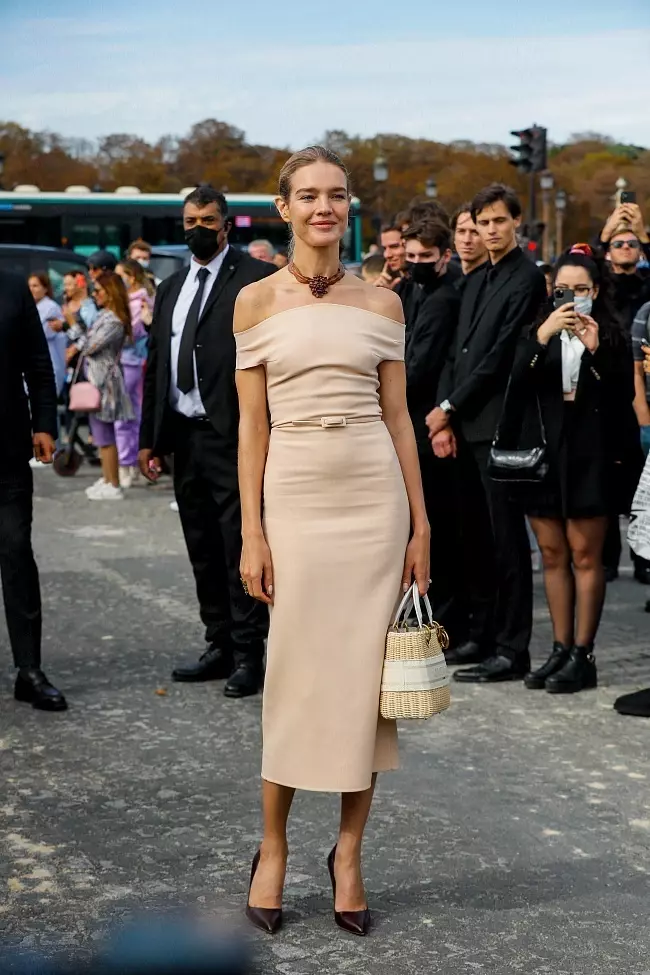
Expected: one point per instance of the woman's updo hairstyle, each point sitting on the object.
(305, 157)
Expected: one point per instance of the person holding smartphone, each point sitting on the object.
(579, 365)
(626, 240)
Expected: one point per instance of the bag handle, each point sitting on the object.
(412, 599)
(77, 368)
(504, 412)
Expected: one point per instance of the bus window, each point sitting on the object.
(86, 236)
(162, 231)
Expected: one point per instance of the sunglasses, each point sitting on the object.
(617, 244)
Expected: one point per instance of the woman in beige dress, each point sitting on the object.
(334, 525)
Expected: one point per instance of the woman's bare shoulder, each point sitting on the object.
(382, 301)
(253, 303)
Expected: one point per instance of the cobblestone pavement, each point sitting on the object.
(514, 839)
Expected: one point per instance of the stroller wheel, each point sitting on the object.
(67, 462)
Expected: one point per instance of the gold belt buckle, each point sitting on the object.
(332, 421)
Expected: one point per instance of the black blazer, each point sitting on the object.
(498, 305)
(427, 347)
(603, 411)
(214, 350)
(23, 356)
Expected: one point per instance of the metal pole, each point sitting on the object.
(546, 216)
(531, 205)
(559, 227)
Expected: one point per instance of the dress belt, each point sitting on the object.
(327, 422)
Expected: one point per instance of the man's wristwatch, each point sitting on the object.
(446, 406)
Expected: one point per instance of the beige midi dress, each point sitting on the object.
(336, 518)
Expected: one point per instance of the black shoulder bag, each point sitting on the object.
(517, 466)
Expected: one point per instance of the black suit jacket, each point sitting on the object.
(602, 410)
(426, 352)
(24, 361)
(499, 304)
(214, 349)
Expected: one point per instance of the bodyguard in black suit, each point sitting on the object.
(500, 301)
(190, 410)
(29, 428)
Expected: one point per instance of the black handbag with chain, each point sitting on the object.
(527, 465)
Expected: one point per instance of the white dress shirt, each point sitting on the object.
(190, 404)
(572, 351)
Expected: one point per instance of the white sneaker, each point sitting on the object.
(94, 488)
(35, 464)
(173, 505)
(128, 476)
(107, 492)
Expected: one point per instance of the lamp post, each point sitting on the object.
(2, 168)
(560, 208)
(621, 184)
(380, 173)
(431, 188)
(547, 183)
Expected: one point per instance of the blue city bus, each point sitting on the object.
(84, 221)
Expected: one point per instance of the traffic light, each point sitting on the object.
(524, 149)
(539, 149)
(531, 149)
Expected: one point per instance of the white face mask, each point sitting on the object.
(583, 305)
(143, 261)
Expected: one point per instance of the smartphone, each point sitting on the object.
(628, 196)
(562, 296)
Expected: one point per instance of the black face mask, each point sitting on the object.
(203, 242)
(423, 272)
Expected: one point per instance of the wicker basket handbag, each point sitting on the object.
(415, 680)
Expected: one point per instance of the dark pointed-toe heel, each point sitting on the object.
(355, 922)
(267, 919)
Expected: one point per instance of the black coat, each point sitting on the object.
(604, 438)
(426, 351)
(499, 304)
(214, 350)
(24, 361)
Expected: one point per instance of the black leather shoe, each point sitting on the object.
(33, 687)
(636, 704)
(214, 664)
(355, 922)
(267, 919)
(469, 652)
(244, 681)
(578, 674)
(611, 573)
(494, 669)
(536, 679)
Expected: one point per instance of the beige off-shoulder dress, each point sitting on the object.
(336, 519)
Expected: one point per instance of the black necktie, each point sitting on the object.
(185, 381)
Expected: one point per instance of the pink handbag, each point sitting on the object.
(84, 398)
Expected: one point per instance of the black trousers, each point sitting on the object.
(205, 482)
(437, 485)
(20, 583)
(501, 553)
(460, 599)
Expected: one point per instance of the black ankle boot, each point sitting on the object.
(536, 679)
(578, 674)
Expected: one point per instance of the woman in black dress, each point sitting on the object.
(580, 367)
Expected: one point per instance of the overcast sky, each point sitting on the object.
(286, 71)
